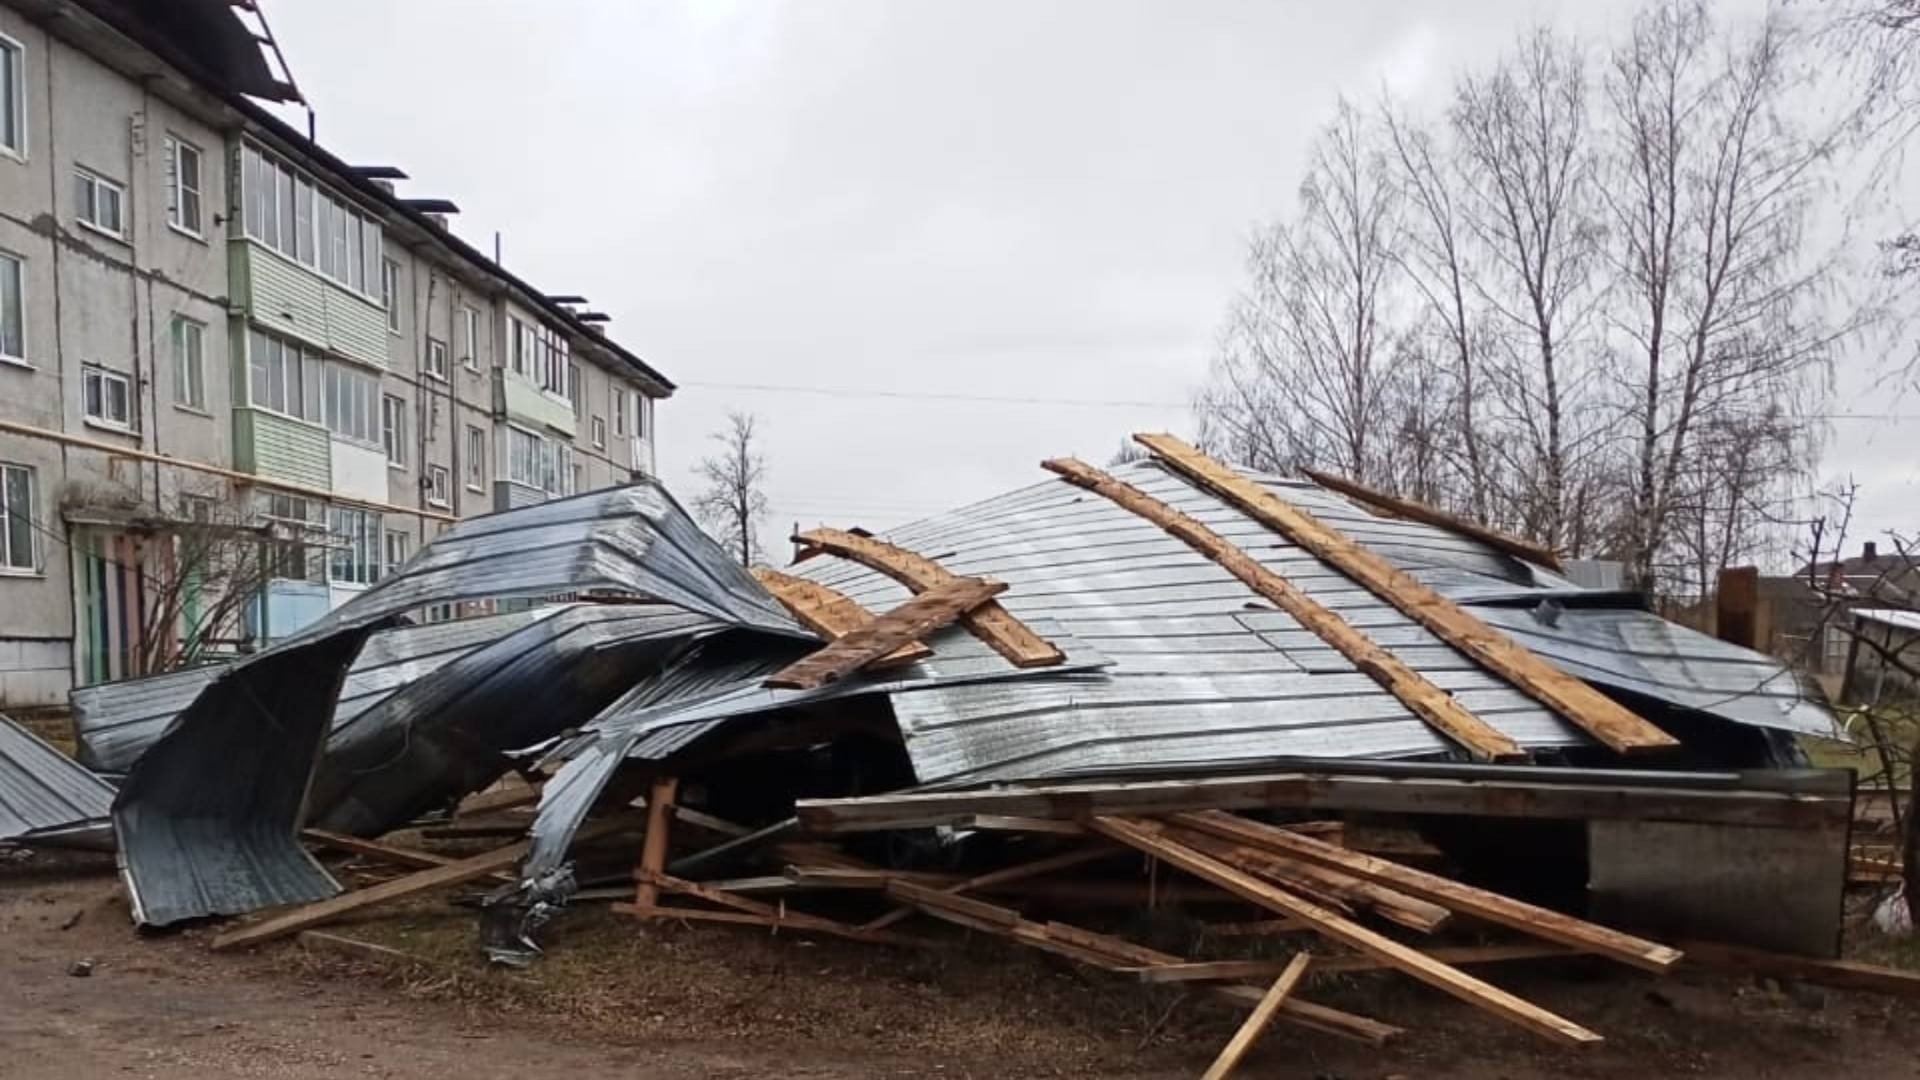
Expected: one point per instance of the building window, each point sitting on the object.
(476, 458)
(285, 210)
(351, 404)
(573, 388)
(13, 97)
(188, 341)
(397, 550)
(355, 558)
(470, 338)
(390, 292)
(98, 203)
(537, 462)
(183, 184)
(619, 411)
(519, 356)
(642, 416)
(19, 550)
(599, 434)
(439, 483)
(13, 308)
(298, 538)
(578, 479)
(393, 429)
(282, 378)
(106, 396)
(1839, 643)
(437, 358)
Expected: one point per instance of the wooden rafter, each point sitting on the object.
(939, 606)
(990, 622)
(1590, 710)
(828, 613)
(1427, 701)
(1429, 515)
(1257, 1021)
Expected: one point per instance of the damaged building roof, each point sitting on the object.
(44, 795)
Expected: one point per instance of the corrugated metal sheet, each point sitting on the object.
(115, 722)
(207, 818)
(1205, 672)
(44, 794)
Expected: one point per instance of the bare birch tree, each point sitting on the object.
(734, 499)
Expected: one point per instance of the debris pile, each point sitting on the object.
(1291, 710)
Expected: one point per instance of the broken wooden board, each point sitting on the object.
(926, 612)
(1429, 515)
(1257, 1021)
(1528, 918)
(353, 949)
(991, 623)
(1230, 970)
(1316, 880)
(411, 858)
(777, 922)
(1839, 974)
(1439, 709)
(1006, 876)
(1593, 712)
(827, 612)
(1149, 837)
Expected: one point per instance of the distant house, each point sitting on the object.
(1806, 616)
(1886, 658)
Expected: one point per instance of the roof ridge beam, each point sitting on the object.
(989, 622)
(1593, 712)
(1430, 703)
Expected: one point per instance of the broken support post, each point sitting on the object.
(653, 849)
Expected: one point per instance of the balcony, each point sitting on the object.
(291, 299)
(282, 448)
(517, 398)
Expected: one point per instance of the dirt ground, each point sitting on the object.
(654, 1002)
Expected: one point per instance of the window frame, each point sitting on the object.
(15, 100)
(599, 429)
(470, 323)
(361, 532)
(476, 461)
(87, 215)
(8, 566)
(430, 367)
(388, 549)
(357, 387)
(390, 293)
(345, 240)
(20, 310)
(177, 188)
(439, 486)
(305, 364)
(189, 379)
(393, 430)
(92, 373)
(620, 412)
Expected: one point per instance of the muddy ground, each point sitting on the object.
(653, 1002)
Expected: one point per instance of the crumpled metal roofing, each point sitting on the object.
(1205, 673)
(115, 722)
(45, 796)
(206, 820)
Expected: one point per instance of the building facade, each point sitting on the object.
(223, 347)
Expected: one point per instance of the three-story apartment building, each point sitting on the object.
(210, 325)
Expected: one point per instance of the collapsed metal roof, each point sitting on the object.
(44, 795)
(207, 818)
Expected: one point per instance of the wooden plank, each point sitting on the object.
(653, 847)
(991, 623)
(1439, 709)
(1255, 928)
(1590, 710)
(1581, 797)
(321, 941)
(1228, 970)
(453, 873)
(924, 898)
(1257, 1021)
(782, 921)
(1006, 876)
(1431, 515)
(1149, 837)
(926, 612)
(411, 858)
(1315, 879)
(1528, 918)
(829, 613)
(503, 798)
(1008, 823)
(1840, 974)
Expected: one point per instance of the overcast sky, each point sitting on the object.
(884, 202)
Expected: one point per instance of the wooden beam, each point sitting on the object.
(1257, 1021)
(829, 613)
(1314, 879)
(653, 847)
(1590, 710)
(1840, 974)
(1529, 919)
(1255, 928)
(1430, 515)
(1438, 708)
(991, 623)
(1582, 796)
(783, 921)
(411, 858)
(1006, 823)
(506, 798)
(453, 873)
(1006, 876)
(926, 612)
(1149, 837)
(1228, 970)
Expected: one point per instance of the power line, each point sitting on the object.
(913, 395)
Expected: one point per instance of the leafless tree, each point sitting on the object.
(207, 569)
(734, 499)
